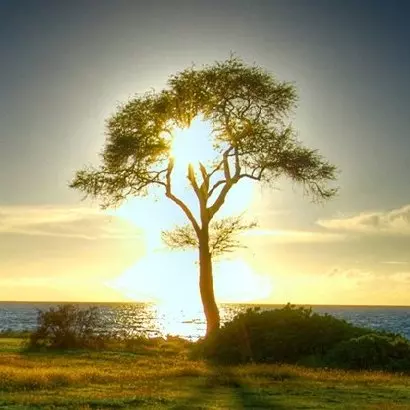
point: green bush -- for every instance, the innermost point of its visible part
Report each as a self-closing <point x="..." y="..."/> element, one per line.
<point x="66" y="327"/>
<point x="371" y="351"/>
<point x="284" y="335"/>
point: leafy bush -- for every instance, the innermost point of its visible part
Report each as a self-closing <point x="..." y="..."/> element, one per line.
<point x="372" y="351"/>
<point x="281" y="335"/>
<point x="67" y="326"/>
<point x="70" y="327"/>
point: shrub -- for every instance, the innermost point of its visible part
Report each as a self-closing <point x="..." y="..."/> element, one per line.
<point x="67" y="326"/>
<point x="281" y="335"/>
<point x="372" y="351"/>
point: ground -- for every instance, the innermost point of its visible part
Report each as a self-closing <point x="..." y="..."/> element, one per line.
<point x="163" y="377"/>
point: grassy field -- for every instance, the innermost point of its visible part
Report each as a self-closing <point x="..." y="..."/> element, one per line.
<point x="163" y="377"/>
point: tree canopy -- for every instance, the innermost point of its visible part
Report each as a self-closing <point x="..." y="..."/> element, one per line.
<point x="248" y="110"/>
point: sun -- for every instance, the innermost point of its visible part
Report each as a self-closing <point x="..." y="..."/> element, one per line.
<point x="193" y="144"/>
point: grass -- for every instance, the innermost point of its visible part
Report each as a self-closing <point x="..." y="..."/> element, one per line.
<point x="161" y="376"/>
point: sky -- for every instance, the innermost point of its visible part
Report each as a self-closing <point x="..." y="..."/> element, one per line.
<point x="65" y="68"/>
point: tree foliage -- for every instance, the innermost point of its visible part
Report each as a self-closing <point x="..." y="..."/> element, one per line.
<point x="223" y="237"/>
<point x="248" y="109"/>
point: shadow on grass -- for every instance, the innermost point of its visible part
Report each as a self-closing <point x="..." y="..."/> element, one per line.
<point x="223" y="387"/>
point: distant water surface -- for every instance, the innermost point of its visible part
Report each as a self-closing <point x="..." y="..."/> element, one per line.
<point x="160" y="320"/>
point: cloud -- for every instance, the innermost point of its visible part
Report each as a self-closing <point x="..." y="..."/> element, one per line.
<point x="395" y="222"/>
<point x="294" y="236"/>
<point x="64" y="221"/>
<point x="401" y="277"/>
<point x="362" y="277"/>
<point x="394" y="262"/>
<point x="351" y="273"/>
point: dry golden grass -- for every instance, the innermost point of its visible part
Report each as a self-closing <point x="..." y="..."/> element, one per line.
<point x="153" y="379"/>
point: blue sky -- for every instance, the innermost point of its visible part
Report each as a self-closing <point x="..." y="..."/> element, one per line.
<point x="66" y="66"/>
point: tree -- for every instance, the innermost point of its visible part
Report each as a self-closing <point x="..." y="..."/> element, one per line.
<point x="252" y="139"/>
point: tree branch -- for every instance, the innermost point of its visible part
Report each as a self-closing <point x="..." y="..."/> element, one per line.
<point x="227" y="171"/>
<point x="237" y="163"/>
<point x="181" y="204"/>
<point x="205" y="175"/>
<point x="253" y="175"/>
<point x="192" y="180"/>
<point x="225" y="164"/>
<point x="222" y="196"/>
<point x="229" y="183"/>
<point x="216" y="169"/>
<point x="216" y="185"/>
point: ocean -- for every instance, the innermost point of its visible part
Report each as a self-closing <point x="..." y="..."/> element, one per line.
<point x="159" y="320"/>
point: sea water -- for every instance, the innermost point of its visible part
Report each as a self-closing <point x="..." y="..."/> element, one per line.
<point x="159" y="320"/>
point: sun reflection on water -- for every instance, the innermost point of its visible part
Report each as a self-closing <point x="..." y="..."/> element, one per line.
<point x="161" y="319"/>
<point x="188" y="322"/>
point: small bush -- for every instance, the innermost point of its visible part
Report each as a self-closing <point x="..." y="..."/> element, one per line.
<point x="66" y="327"/>
<point x="283" y="335"/>
<point x="372" y="351"/>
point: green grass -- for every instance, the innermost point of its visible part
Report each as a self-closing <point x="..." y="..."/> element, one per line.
<point x="10" y="344"/>
<point x="163" y="377"/>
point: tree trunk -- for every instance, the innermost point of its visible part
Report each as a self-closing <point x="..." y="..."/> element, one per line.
<point x="206" y="284"/>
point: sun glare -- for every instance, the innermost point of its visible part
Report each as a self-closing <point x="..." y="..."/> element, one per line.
<point x="169" y="278"/>
<point x="193" y="144"/>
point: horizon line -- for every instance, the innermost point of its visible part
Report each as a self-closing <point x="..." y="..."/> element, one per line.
<point x="221" y="303"/>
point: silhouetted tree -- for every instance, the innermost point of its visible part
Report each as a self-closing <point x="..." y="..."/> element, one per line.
<point x="248" y="110"/>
